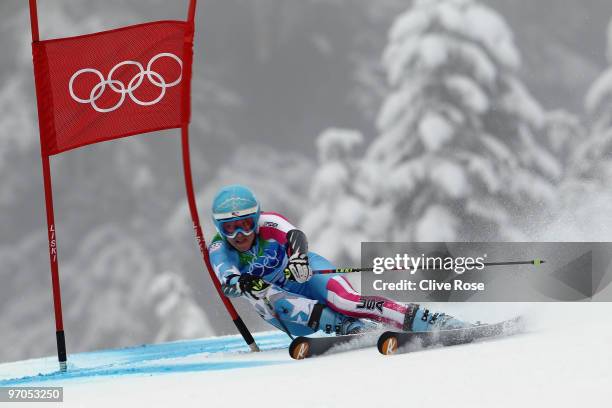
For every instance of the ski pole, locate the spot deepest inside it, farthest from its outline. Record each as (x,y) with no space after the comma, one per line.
(535,262)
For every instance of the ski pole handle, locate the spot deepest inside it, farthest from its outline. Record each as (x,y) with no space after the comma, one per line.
(341,270)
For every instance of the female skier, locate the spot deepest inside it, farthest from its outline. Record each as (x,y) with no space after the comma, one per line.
(262,257)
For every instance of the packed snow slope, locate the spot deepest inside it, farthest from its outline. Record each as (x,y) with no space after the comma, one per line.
(562,360)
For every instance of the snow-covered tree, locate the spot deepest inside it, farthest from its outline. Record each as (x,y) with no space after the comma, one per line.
(585,208)
(594,158)
(179,315)
(458,155)
(564,135)
(333,221)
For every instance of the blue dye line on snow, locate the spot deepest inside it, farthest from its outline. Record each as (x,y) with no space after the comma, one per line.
(123,361)
(183,349)
(153,369)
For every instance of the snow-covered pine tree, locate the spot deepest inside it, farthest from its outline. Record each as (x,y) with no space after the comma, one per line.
(334,218)
(594,158)
(457,156)
(564,135)
(585,208)
(179,316)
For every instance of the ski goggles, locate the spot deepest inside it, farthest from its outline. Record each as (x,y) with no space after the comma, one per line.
(232,228)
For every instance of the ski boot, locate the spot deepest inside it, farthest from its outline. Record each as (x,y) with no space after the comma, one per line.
(419,319)
(324,318)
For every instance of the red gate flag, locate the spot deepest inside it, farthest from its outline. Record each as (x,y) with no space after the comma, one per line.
(113,84)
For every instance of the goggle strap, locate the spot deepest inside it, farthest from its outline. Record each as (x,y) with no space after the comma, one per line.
(235,214)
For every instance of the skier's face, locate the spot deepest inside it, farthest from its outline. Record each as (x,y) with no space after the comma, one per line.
(242,242)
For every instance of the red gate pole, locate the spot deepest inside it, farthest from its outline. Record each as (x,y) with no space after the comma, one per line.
(244,331)
(52,236)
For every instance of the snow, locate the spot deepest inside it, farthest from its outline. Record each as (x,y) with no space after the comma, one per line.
(409,23)
(484,170)
(486,25)
(433,51)
(328,178)
(333,143)
(396,104)
(500,150)
(451,17)
(335,213)
(586,215)
(519,101)
(175,356)
(435,130)
(483,68)
(487,209)
(173,297)
(450,178)
(437,225)
(466,18)
(562,360)
(404,178)
(537,157)
(349,213)
(415,44)
(538,189)
(469,91)
(599,92)
(564,133)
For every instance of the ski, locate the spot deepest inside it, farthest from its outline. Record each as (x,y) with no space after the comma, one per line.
(304,347)
(391,342)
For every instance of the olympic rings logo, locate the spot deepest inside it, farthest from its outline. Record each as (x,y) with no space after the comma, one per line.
(262,264)
(119,87)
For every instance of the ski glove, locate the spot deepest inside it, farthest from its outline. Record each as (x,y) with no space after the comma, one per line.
(231,288)
(298,268)
(252,286)
(249,285)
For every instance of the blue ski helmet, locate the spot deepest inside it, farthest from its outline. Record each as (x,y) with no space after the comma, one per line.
(232,203)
